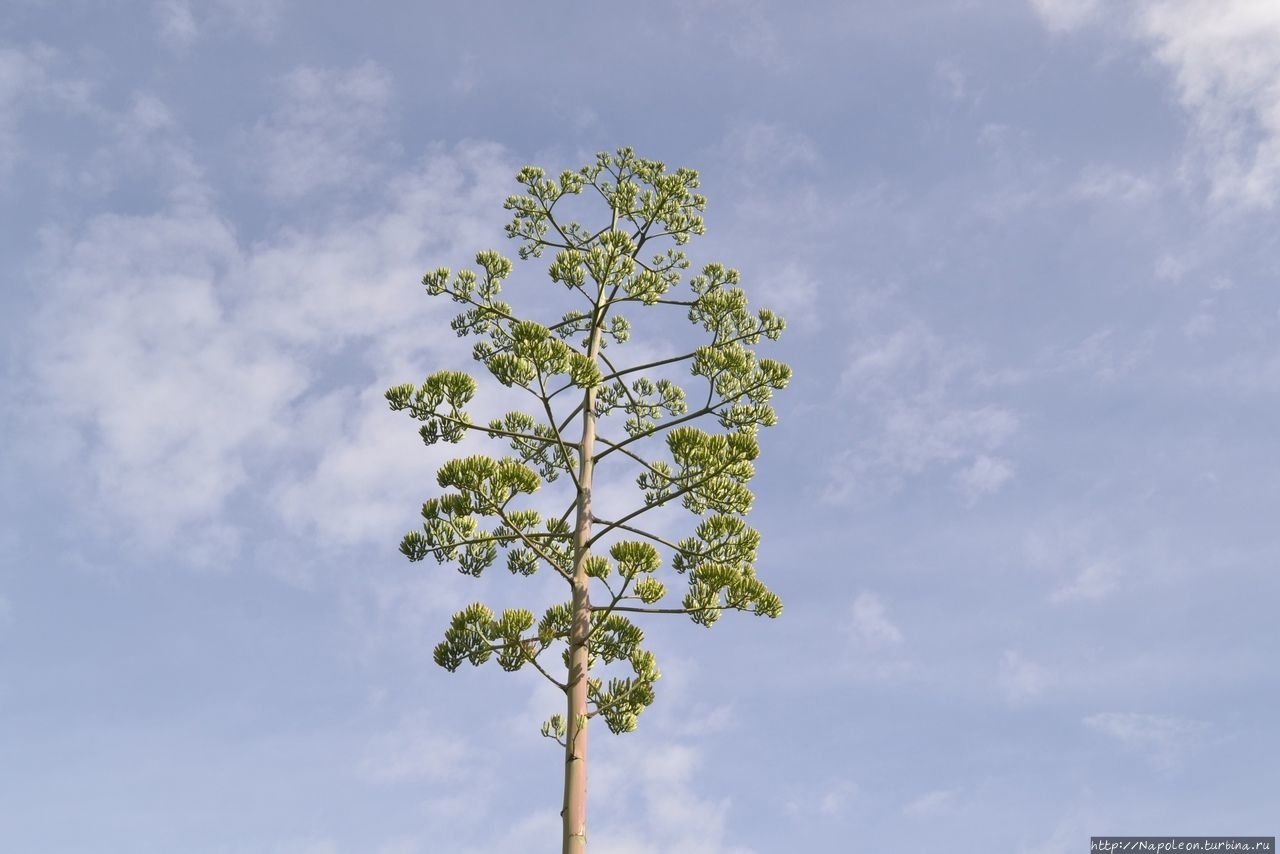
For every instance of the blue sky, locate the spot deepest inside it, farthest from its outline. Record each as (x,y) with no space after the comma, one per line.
(1020,507)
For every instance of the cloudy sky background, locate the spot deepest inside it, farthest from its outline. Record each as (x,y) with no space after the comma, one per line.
(1020,506)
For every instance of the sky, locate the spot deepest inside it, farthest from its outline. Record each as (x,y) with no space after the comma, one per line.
(1016,506)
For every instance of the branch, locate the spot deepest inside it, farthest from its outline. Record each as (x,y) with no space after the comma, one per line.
(551,219)
(641,460)
(495,647)
(634,609)
(617,597)
(638,610)
(616,374)
(551,421)
(533,546)
(489,539)
(635,404)
(641,532)
(508,433)
(684,490)
(465,298)
(554,681)
(665,425)
(564,517)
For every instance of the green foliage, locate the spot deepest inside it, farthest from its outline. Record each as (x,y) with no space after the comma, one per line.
(631,414)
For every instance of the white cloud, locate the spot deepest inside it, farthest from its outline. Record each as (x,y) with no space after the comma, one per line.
(792,291)
(307,846)
(1203,323)
(350,496)
(182,367)
(918,436)
(32,79)
(326,133)
(828,801)
(766,146)
(177,24)
(647,789)
(1063,840)
(1086,557)
(740,25)
(260,18)
(983,477)
(414,750)
(650,804)
(1161,739)
(1225,60)
(876,642)
(1105,355)
(139,353)
(1095,580)
(954,83)
(467,77)
(1066,15)
(933,803)
(1020,678)
(912,416)
(541,825)
(870,624)
(1108,183)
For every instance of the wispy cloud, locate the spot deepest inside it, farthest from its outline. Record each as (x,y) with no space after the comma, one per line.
(911,411)
(260,18)
(954,83)
(180,24)
(326,133)
(34,78)
(177,23)
(1224,60)
(1020,678)
(870,624)
(792,291)
(877,644)
(933,803)
(1081,557)
(659,807)
(772,147)
(1109,183)
(1162,739)
(415,749)
(742,26)
(1094,581)
(307,846)
(984,476)
(195,361)
(1066,15)
(832,799)
(1105,355)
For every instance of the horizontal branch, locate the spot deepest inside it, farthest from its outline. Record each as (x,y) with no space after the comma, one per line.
(635,609)
(528,437)
(531,544)
(666,425)
(493,538)
(668,361)
(641,460)
(529,657)
(684,490)
(640,532)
